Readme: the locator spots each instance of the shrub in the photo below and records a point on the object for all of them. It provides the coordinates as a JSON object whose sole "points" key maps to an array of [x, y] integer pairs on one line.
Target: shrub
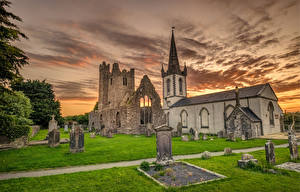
{"points": [[158, 167], [145, 166]]}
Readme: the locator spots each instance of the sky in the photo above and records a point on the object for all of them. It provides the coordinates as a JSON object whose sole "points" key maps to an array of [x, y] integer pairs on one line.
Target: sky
{"points": [[224, 43]]}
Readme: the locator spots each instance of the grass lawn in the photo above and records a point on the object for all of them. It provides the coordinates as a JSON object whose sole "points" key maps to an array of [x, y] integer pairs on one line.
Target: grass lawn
{"points": [[104, 150], [41, 135], [129, 179]]}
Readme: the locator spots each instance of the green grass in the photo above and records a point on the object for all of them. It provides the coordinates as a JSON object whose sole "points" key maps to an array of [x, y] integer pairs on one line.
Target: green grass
{"points": [[129, 179], [41, 135], [104, 150]]}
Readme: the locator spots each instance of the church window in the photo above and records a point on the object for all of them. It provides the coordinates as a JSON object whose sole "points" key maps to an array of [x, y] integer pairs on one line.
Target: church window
{"points": [[204, 118], [168, 86], [271, 113], [180, 85], [125, 81], [184, 118], [145, 110]]}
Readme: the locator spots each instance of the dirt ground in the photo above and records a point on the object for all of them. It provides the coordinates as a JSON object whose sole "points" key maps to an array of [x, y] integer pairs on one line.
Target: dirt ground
{"points": [[283, 135]]}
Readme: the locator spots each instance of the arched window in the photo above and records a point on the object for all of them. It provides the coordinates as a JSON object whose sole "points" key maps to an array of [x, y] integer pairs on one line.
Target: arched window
{"points": [[271, 113], [204, 118], [168, 86], [145, 110], [180, 86], [125, 81], [184, 118]]}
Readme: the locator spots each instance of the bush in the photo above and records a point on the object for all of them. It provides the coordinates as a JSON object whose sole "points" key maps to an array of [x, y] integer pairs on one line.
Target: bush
{"points": [[145, 166], [158, 167]]}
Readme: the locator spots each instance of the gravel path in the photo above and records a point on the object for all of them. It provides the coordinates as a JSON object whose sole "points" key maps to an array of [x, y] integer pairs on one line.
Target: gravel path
{"points": [[63, 170]]}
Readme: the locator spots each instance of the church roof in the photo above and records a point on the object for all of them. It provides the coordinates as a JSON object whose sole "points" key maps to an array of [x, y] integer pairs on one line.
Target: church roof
{"points": [[251, 115], [245, 92]]}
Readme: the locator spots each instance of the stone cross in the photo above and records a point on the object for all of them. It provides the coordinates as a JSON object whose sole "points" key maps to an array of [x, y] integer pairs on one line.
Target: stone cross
{"points": [[76, 140], [164, 145], [270, 152], [52, 124]]}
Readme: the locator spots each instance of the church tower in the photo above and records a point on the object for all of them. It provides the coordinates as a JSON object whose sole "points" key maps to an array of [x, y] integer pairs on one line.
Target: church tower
{"points": [[174, 80]]}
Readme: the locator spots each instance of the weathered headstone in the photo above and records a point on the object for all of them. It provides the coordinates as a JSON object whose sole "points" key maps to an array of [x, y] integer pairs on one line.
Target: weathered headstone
{"points": [[220, 134], [179, 129], [163, 145], [52, 124], [246, 159], [148, 129], [66, 128], [243, 137], [76, 140], [196, 137], [231, 136], [184, 138], [53, 138], [206, 155], [293, 145], [204, 137], [227, 151], [270, 152], [53, 133]]}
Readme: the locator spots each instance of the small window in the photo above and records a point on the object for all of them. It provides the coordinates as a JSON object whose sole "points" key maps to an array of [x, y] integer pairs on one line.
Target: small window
{"points": [[125, 81], [111, 81], [168, 86], [180, 85]]}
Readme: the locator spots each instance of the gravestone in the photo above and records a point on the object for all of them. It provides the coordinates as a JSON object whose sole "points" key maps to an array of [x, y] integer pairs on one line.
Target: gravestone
{"points": [[76, 140], [163, 145], [246, 159], [227, 151], [184, 138], [53, 133], [148, 129], [52, 124], [293, 145], [270, 152], [231, 136], [179, 129], [220, 134], [243, 138], [204, 137], [196, 137], [92, 135], [66, 128]]}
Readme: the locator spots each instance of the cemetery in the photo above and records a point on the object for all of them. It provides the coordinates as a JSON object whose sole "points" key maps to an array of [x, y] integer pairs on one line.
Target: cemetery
{"points": [[214, 125]]}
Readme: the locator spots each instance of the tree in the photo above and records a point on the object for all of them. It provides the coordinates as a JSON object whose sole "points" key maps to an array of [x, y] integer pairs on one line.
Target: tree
{"points": [[11, 57], [42, 100], [96, 106], [81, 119], [15, 109]]}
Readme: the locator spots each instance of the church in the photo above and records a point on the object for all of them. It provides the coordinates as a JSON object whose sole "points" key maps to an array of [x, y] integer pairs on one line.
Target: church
{"points": [[249, 111]]}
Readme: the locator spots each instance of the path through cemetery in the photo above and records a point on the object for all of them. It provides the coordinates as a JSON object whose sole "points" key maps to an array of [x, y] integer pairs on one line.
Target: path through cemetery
{"points": [[63, 170]]}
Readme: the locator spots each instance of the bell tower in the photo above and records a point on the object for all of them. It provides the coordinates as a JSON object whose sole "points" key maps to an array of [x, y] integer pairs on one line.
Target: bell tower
{"points": [[174, 79]]}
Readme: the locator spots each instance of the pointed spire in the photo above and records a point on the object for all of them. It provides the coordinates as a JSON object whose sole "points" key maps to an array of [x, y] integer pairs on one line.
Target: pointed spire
{"points": [[173, 66]]}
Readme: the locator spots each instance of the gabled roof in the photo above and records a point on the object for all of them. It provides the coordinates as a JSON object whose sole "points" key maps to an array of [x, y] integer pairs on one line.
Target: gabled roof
{"points": [[245, 92], [251, 115]]}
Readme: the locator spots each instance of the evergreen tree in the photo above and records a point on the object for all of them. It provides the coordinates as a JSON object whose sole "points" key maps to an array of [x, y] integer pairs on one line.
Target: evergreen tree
{"points": [[11, 57]]}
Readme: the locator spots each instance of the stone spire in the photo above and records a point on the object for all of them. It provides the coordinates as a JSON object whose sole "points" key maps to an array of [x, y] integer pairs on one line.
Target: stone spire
{"points": [[173, 66]]}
